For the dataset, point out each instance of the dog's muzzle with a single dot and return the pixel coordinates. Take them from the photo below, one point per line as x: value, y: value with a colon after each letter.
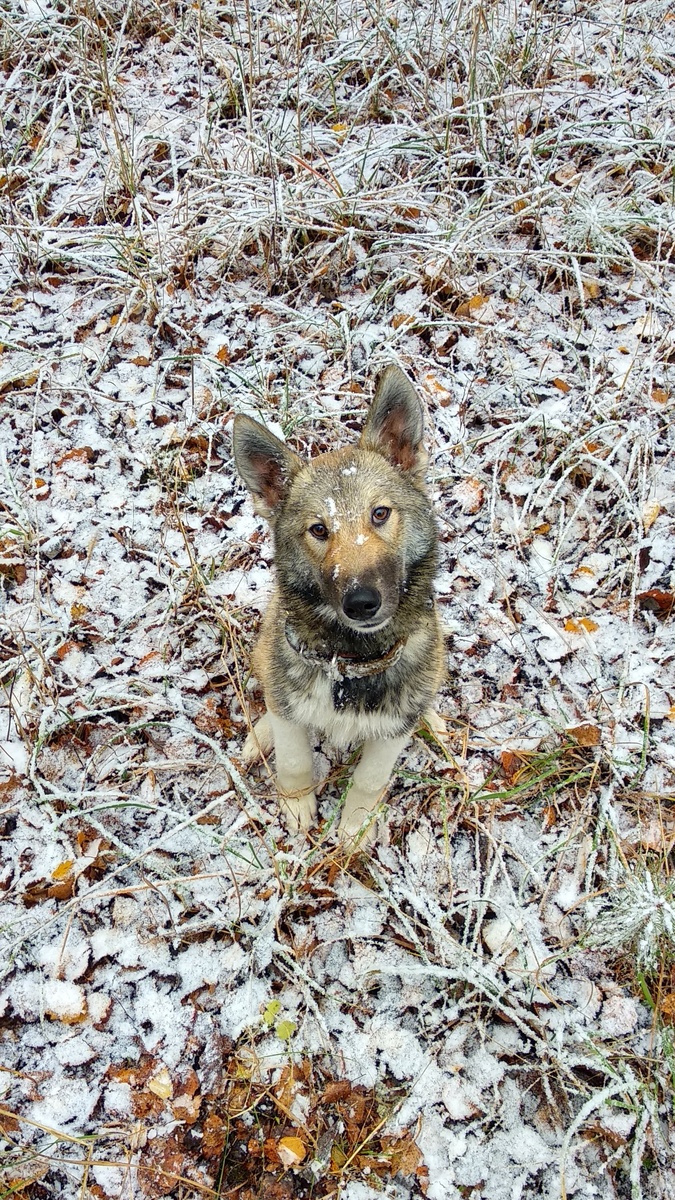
x: 361, y: 604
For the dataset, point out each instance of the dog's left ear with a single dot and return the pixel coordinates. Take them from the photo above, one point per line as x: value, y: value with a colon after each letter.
x: 395, y: 423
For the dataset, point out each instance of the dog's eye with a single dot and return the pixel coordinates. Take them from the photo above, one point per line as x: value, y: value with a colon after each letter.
x: 380, y: 514
x: 319, y: 531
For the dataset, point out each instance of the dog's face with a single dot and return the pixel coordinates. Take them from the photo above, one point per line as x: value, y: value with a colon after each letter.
x: 350, y: 525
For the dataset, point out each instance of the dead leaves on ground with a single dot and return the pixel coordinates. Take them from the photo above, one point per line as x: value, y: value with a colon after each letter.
x: 299, y: 1134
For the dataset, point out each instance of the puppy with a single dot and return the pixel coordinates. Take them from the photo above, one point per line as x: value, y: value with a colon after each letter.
x: 350, y: 646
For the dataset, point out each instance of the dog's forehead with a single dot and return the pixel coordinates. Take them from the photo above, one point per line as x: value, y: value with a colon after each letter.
x: 350, y: 479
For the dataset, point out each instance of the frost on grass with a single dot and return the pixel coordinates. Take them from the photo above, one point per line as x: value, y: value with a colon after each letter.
x: 255, y: 208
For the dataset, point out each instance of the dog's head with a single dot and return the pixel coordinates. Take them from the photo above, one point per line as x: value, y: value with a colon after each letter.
x: 351, y: 525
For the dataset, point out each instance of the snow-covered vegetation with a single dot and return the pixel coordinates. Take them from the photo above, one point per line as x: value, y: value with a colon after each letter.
x: 254, y: 206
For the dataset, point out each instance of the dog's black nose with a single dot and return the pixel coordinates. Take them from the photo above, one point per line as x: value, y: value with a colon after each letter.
x: 362, y: 604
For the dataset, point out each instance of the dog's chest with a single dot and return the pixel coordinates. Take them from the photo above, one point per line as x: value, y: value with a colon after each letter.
x: 345, y: 713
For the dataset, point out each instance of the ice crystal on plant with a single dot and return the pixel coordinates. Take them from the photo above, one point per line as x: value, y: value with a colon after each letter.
x: 640, y: 916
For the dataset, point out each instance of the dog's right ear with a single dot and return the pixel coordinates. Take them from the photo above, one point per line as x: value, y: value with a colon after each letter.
x: 265, y: 464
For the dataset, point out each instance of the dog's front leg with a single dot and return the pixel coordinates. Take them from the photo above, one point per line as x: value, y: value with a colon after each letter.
x: 295, y: 783
x: 370, y: 778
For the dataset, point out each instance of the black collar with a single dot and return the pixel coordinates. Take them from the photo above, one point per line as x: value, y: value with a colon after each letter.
x: 345, y: 666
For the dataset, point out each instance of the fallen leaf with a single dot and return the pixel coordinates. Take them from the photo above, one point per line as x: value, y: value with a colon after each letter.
x: 469, y: 494
x: 467, y: 307
x: 657, y: 601
x: 650, y: 512
x: 339, y: 1090
x: 560, y: 384
x: 161, y: 1085
x: 572, y: 625
x: 291, y: 1151
x: 400, y: 318
x: 585, y: 735
x: 63, y: 869
x: 660, y: 395
x: 668, y: 1008
x: 511, y: 764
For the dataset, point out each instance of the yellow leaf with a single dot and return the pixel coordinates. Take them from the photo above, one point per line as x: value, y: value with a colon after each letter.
x: 161, y: 1085
x: 63, y: 869
x: 671, y: 713
x: 650, y: 512
x: 285, y: 1030
x: 291, y: 1151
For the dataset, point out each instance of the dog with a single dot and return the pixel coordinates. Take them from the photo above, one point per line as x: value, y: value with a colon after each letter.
x: 351, y: 646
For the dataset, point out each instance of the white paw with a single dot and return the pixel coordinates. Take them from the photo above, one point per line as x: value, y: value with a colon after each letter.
x: 300, y: 812
x: 259, y: 741
x: 435, y: 723
x: 358, y: 826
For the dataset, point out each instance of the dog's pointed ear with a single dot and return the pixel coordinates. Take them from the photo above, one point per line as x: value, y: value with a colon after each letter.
x: 265, y: 464
x: 395, y: 423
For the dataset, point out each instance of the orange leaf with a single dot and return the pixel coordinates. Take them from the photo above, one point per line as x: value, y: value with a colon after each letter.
x: 467, y: 307
x: 561, y: 385
x: 668, y: 1008
x: 511, y: 764
x: 577, y: 626
x: 659, y: 394
x: 223, y: 355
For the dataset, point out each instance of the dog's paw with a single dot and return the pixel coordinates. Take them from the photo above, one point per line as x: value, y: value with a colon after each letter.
x: 300, y: 812
x: 358, y: 828
x: 259, y: 741
x: 435, y: 723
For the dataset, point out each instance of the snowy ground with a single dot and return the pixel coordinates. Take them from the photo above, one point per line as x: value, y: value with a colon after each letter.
x: 212, y: 208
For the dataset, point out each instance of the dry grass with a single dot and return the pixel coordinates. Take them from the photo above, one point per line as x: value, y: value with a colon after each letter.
x: 208, y: 208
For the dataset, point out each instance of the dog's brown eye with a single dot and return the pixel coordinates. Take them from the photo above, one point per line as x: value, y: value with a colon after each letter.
x: 380, y: 514
x: 319, y: 531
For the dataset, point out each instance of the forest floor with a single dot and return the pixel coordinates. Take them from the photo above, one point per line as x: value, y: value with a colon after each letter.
x: 211, y: 208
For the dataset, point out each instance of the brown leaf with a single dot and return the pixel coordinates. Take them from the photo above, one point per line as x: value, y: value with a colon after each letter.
x: 405, y: 1156
x: 214, y: 1131
x: 161, y: 1167
x: 585, y: 735
x: 668, y: 1008
x: 339, y: 1090
x: 561, y: 385
x: 657, y: 601
x: 78, y: 454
